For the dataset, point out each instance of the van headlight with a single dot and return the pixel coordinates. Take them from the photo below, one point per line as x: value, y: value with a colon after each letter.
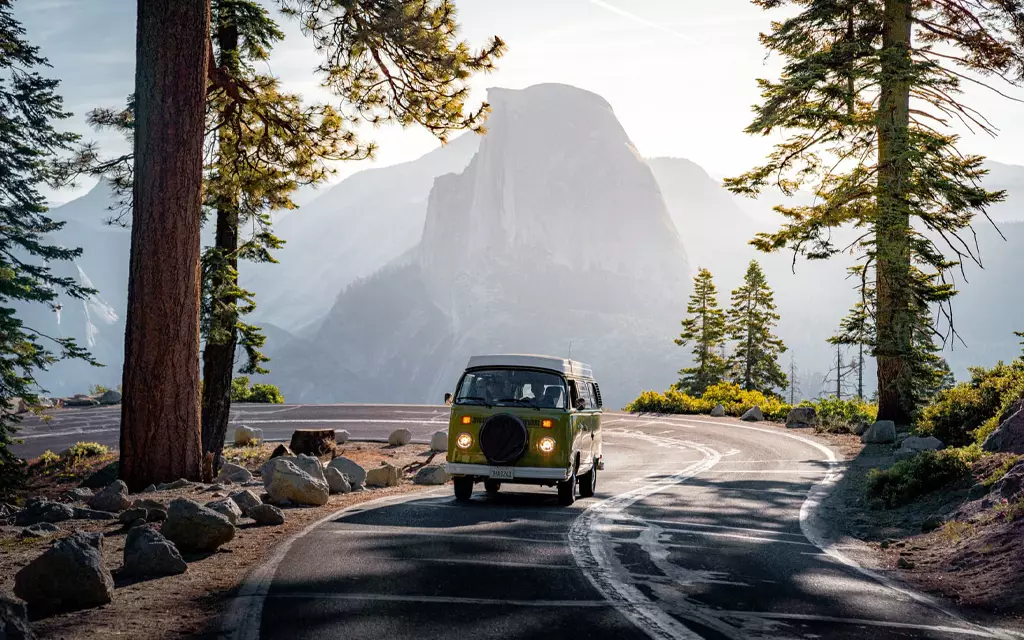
x: 464, y: 441
x: 546, y: 444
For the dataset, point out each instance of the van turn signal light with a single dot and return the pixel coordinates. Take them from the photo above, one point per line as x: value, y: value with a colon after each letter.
x: 466, y: 420
x: 546, y: 423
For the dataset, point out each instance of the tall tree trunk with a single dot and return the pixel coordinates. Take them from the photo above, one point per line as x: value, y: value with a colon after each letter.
x: 748, y: 377
x: 219, y: 352
x: 892, y: 226
x: 860, y: 372
x: 160, y: 438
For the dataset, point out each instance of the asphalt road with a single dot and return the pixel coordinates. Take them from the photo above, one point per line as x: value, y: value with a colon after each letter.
x: 101, y: 424
x: 701, y: 528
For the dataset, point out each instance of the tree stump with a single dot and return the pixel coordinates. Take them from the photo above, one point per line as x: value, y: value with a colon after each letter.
x: 313, y: 442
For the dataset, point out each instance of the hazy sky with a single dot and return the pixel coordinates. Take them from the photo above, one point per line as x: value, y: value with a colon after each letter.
x: 680, y: 74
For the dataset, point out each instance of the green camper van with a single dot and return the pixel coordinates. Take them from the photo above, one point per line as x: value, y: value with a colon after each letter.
x: 525, y: 419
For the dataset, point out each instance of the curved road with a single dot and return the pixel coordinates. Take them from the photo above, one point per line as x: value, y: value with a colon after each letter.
x: 701, y: 528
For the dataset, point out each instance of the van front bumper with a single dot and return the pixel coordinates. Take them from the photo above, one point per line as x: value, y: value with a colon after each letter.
x: 525, y: 473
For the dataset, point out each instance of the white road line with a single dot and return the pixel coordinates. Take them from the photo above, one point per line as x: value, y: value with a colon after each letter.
x: 603, y: 528
x: 768, y: 471
x: 396, y: 531
x: 376, y: 597
x: 496, y: 563
x: 72, y: 432
x: 341, y: 420
x: 701, y: 525
x: 771, y: 615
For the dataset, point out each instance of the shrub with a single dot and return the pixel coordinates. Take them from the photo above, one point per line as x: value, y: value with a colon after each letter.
x: 1010, y: 510
x: 731, y: 396
x: 907, y: 480
x: 266, y: 393
x: 955, y: 531
x: 971, y: 410
x: 1000, y: 471
x: 86, y: 450
x: 836, y: 415
x: 48, y: 459
x: 98, y: 390
x: 240, y: 389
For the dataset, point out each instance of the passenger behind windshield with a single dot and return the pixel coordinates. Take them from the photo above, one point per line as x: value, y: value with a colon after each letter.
x: 511, y: 387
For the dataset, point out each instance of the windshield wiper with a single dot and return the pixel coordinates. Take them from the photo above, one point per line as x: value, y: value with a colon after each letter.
x: 529, y: 403
x: 476, y: 400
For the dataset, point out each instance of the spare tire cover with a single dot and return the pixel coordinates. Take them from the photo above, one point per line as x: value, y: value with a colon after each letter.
x: 503, y: 439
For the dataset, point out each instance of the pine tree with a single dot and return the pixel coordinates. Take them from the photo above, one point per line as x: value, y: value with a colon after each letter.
x: 29, y: 155
x: 751, y: 321
x: 705, y: 328
x: 794, y: 382
x: 890, y: 171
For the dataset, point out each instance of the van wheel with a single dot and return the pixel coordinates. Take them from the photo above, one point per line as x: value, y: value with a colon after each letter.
x: 567, y: 490
x: 492, y: 486
x: 463, y: 489
x: 588, y: 482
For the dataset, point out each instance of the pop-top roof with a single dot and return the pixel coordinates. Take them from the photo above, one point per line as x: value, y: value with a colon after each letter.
x: 552, y: 363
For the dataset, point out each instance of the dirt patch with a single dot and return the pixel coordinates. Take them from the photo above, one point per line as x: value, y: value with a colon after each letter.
x: 188, y: 605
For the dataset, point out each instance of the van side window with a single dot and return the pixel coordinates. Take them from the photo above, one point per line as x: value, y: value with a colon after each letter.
x: 596, y: 392
x: 586, y: 395
x: 574, y: 393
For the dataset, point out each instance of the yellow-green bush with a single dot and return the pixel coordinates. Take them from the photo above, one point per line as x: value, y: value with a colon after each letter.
x: 86, y: 450
x: 48, y: 459
x: 907, y: 480
x: 971, y: 410
x: 841, y: 416
x: 731, y: 396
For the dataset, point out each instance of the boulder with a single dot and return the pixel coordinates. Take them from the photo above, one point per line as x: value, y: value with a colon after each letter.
x: 247, y: 435
x: 281, y: 450
x: 39, y: 530
x: 227, y: 508
x: 129, y: 516
x: 267, y: 514
x: 39, y: 510
x: 110, y: 397
x: 310, y: 465
x: 917, y: 443
x: 341, y: 437
x: 882, y: 432
x: 193, y: 527
x: 337, y: 482
x: 180, y: 483
x: 16, y: 406
x: 316, y: 442
x: 69, y: 575
x: 802, y: 417
x: 93, y: 514
x: 245, y: 500
x: 1009, y: 435
x: 1011, y: 486
x: 102, y: 477
x: 433, y: 474
x: 977, y: 492
x: 718, y: 411
x: 400, y: 437
x: 148, y: 503
x: 291, y: 484
x: 80, y: 401
x: 14, y: 623
x: 753, y: 414
x: 860, y: 428
x: 78, y: 494
x: 113, y: 498
x: 439, y: 441
x: 150, y: 489
x: 355, y: 473
x: 386, y: 475
x: 234, y: 473
x: 148, y: 553
x: 156, y: 515
x: 268, y: 467
x: 44, y: 403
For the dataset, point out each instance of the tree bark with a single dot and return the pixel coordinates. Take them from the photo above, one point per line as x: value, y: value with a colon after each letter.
x: 219, y: 354
x: 892, y: 227
x: 160, y: 439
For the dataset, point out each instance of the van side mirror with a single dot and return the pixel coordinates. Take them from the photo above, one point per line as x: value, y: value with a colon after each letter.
x: 581, y: 404
x: 448, y: 399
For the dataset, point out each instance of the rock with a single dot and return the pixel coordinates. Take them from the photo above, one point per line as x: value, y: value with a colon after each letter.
x: 234, y: 473
x: 148, y: 553
x: 156, y: 515
x: 16, y: 406
x: 802, y: 417
x: 882, y: 432
x: 193, y: 527
x: 290, y: 483
x: 977, y: 491
x: 267, y: 468
x: 433, y: 474
x: 113, y: 498
x: 310, y: 465
x: 1011, y: 485
x: 903, y: 563
x: 44, y: 403
x: 356, y: 474
x: 147, y: 503
x: 40, y: 510
x: 135, y: 513
x: 227, y: 508
x: 931, y: 523
x: 281, y: 450
x: 341, y: 437
x: 753, y: 414
x: 78, y: 494
x: 245, y: 500
x: 180, y: 483
x: 385, y: 475
x: 916, y: 443
x: 14, y: 624
x: 900, y: 437
x: 39, y: 530
x: 69, y: 575
x: 247, y: 435
x: 400, y: 437
x: 337, y: 482
x: 316, y: 442
x: 110, y: 397
x: 93, y: 514
x: 150, y: 489
x: 860, y: 428
x: 718, y: 411
x: 439, y: 441
x: 267, y: 514
x: 80, y: 401
x: 102, y: 478
x: 7, y: 510
x: 1009, y: 435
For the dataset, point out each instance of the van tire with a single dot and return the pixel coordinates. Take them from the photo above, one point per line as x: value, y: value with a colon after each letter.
x: 567, y: 490
x: 588, y: 482
x: 463, y: 489
x: 492, y: 486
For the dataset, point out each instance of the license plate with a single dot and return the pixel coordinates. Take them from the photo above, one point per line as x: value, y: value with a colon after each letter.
x: 502, y: 473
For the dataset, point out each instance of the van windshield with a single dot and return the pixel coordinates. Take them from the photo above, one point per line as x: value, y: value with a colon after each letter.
x: 512, y: 387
